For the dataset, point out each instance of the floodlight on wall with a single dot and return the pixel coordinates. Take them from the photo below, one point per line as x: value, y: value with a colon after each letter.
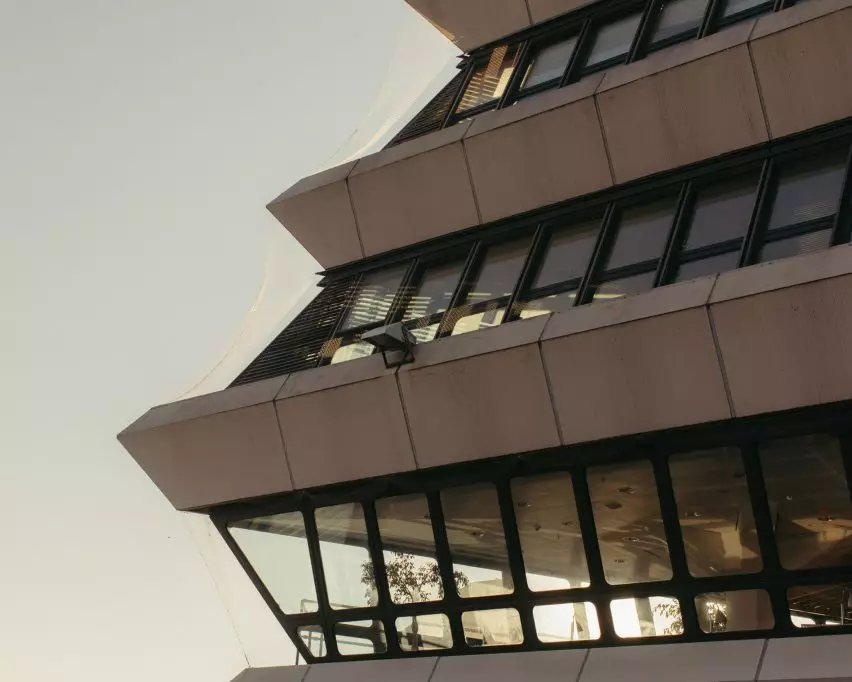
x: 395, y: 339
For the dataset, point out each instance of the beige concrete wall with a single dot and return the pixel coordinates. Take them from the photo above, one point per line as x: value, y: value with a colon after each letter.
x: 756, y: 340
x: 780, y: 74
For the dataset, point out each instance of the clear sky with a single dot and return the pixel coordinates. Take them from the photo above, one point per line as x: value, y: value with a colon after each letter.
x: 139, y: 143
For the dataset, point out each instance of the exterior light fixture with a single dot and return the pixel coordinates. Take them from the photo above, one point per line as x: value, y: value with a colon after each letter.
x: 394, y: 338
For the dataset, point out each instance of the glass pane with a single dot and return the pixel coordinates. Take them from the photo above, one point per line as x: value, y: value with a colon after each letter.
x: 626, y: 286
x: 677, y: 17
x: 575, y: 622
x: 714, y: 511
x: 353, y: 351
x: 734, y: 611
x: 722, y: 212
x: 733, y: 7
x: 548, y: 304
x: 549, y: 529
x: 405, y: 527
x: 642, y: 234
x: 708, y: 266
x: 424, y: 633
x: 314, y: 639
x: 360, y: 638
x: 349, y: 576
x: 629, y: 524
x: 477, y: 542
x: 808, y: 190
x: 434, y: 292
x: 646, y: 617
x: 495, y: 627
x: 819, y: 606
x: 490, y: 80
x: 277, y: 550
x: 806, y: 485
x: 796, y: 246
x: 425, y: 334
x: 568, y: 254
x: 614, y: 40
x: 477, y: 321
x: 374, y: 298
x: 499, y: 271
x: 550, y: 63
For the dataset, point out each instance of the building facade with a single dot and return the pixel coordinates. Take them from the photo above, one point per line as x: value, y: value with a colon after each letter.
x: 574, y: 397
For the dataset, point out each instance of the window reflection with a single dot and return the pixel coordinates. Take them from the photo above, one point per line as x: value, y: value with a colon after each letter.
x: 494, y: 627
x: 434, y: 292
x: 808, y: 190
x: 477, y: 321
x: 313, y: 638
x: 647, y: 617
x: 499, y: 272
x: 547, y: 304
x: 722, y: 212
x: 809, y: 499
x: 277, y: 549
x: 349, y: 578
x: 629, y: 523
x: 549, y: 529
x: 614, y: 40
x: 736, y: 611
x: 714, y: 512
x: 568, y: 254
x: 734, y: 7
x: 550, y: 63
x: 624, y: 286
x: 352, y: 351
x: 679, y: 18
x: 477, y: 541
x: 374, y: 298
x: 796, y: 246
x: 360, y: 638
x: 430, y: 632
x: 704, y: 267
x: 819, y: 606
x: 489, y: 81
x: 642, y: 234
x: 574, y: 622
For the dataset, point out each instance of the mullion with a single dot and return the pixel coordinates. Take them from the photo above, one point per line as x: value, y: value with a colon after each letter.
x: 445, y: 567
x: 323, y: 604
x: 584, y: 42
x: 650, y: 14
x: 797, y: 230
x: 374, y: 546
x: 521, y: 64
x: 609, y: 227
x: 412, y: 278
x: 535, y: 256
x: 766, y: 188
x: 451, y: 112
x: 473, y: 263
x: 843, y: 218
x: 681, y: 221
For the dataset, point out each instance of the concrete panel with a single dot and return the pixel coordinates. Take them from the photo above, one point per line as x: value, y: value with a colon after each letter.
x: 410, y: 670
x: 540, y: 10
x: 704, y: 662
x: 483, y: 406
x: 219, y: 458
x: 808, y: 658
x: 346, y: 433
x: 812, y: 60
x: 333, y: 376
x: 787, y: 348
x: 651, y: 374
x: 280, y: 674
x: 682, y: 115
x: 321, y: 220
x: 471, y: 23
x: 535, y: 162
x: 797, y: 14
x: 415, y: 199
x: 537, y: 666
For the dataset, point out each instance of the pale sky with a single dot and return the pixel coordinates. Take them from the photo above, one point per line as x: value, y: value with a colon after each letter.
x: 139, y: 143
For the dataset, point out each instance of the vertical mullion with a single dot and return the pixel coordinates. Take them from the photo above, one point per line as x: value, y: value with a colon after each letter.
x: 773, y: 573
x: 323, y: 604
x: 674, y: 540
x: 843, y: 219
x: 580, y: 51
x: 531, y: 263
x: 400, y: 301
x: 677, y: 234
x: 452, y: 600
x: 754, y: 236
x: 521, y: 61
x: 451, y: 112
x: 643, y: 32
x: 714, y: 8
x: 609, y: 224
x: 474, y: 261
x: 516, y: 560
x: 374, y: 546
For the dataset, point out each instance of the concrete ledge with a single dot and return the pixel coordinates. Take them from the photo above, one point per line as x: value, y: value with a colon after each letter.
x: 537, y: 666
x: 808, y: 658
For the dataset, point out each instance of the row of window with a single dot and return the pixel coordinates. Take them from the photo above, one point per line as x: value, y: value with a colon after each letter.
x: 773, y: 208
x: 565, y: 51
x: 732, y: 539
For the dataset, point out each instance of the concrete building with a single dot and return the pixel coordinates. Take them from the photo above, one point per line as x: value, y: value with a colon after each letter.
x: 620, y: 446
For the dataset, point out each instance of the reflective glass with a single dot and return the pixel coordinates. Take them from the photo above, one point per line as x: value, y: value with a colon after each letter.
x: 642, y: 234
x: 708, y: 266
x: 477, y: 321
x: 405, y: 527
x: 277, y: 549
x: 495, y: 627
x: 549, y: 529
x: 349, y: 576
x: 736, y: 611
x: 489, y: 81
x: 314, y: 639
x: 715, y: 514
x: 568, y: 254
x: 352, y: 351
x: 820, y: 606
x: 806, y: 486
x: 435, y: 291
x: 796, y: 246
x: 722, y: 212
x: 547, y: 304
x: 677, y: 17
x: 430, y: 632
x: 629, y: 524
x: 499, y: 272
x: 808, y: 190
x: 425, y: 334
x: 575, y: 622
x: 360, y: 638
x: 614, y: 40
x: 732, y: 7
x: 626, y: 286
x: 646, y: 617
x: 550, y: 62
x: 477, y: 541
x: 374, y: 298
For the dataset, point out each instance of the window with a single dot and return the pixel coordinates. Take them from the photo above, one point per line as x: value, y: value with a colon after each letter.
x: 489, y: 81
x: 612, y: 42
x: 736, y: 611
x: 358, y: 638
x: 646, y: 617
x: 313, y: 638
x: 820, y: 606
x: 572, y: 622
x: 494, y: 627
x: 549, y: 63
x: 374, y: 298
x: 429, y: 632
x: 735, y: 9
x: 431, y: 297
x: 677, y: 20
x: 349, y: 577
